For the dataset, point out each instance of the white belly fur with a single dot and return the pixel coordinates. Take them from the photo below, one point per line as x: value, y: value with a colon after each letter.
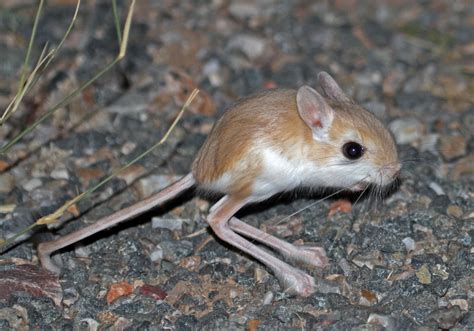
x: 282, y: 174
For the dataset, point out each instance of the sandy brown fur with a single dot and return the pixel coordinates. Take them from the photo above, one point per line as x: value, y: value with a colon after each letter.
x: 271, y: 118
x: 235, y: 133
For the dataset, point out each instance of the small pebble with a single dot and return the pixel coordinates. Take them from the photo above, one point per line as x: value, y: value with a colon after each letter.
x: 233, y: 294
x: 7, y: 182
x: 212, y: 71
x: 436, y: 188
x: 423, y: 274
x: 267, y: 298
x: 345, y: 266
x: 243, y: 9
x: 127, y: 148
x: 393, y: 82
x: 327, y: 286
x: 81, y: 251
x: 7, y: 208
x: 454, y: 211
x: 60, y: 173
x: 121, y: 324
x: 429, y: 142
x: 260, y: 275
x: 444, y: 318
x: 71, y: 295
x: 463, y: 167
x: 129, y: 103
x: 167, y: 223
x: 452, y: 147
x: 89, y: 324
x: 107, y: 317
x: 252, y: 46
x: 407, y: 130
x: 385, y: 321
x: 32, y: 184
x: 442, y: 302
x: 409, y: 244
x: 157, y: 254
x: 462, y: 303
x: 441, y: 271
x: 201, y: 204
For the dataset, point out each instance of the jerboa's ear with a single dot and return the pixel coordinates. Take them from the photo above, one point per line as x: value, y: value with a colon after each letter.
x: 315, y: 112
x: 331, y: 88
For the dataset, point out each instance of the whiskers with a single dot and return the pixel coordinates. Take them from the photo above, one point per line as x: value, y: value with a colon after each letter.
x: 314, y: 203
x: 326, y: 197
x: 410, y: 167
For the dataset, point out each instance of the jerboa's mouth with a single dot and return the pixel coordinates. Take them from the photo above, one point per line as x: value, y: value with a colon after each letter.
x: 360, y: 186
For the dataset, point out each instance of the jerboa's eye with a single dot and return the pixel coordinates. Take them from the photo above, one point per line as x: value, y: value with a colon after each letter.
x: 353, y: 150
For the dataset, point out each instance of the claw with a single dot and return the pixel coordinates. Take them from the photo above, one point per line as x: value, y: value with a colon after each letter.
x: 310, y: 255
x: 297, y: 282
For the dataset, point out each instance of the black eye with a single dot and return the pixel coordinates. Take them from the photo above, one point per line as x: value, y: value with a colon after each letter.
x: 352, y: 150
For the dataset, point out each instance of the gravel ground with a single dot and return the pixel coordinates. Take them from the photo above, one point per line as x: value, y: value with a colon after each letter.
x: 404, y: 263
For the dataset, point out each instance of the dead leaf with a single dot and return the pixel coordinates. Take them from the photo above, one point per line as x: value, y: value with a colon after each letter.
x: 118, y: 290
x: 341, y: 205
x: 87, y: 174
x: 252, y: 325
x: 21, y: 275
x: 3, y: 165
x: 369, y: 297
x: 74, y: 210
x: 153, y: 291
